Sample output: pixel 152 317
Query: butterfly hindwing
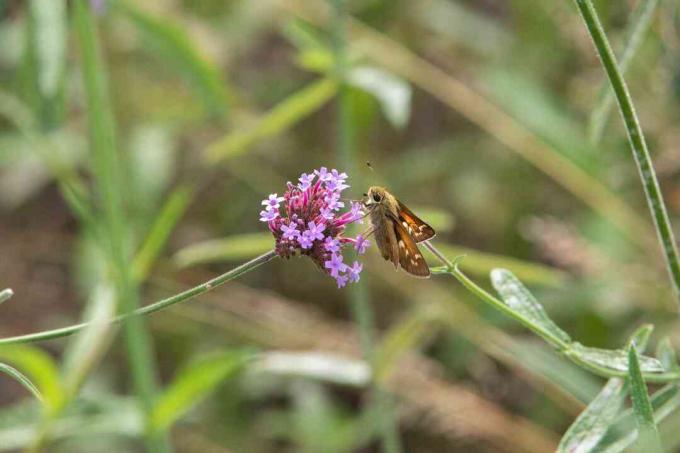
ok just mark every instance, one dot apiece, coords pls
pixel 410 258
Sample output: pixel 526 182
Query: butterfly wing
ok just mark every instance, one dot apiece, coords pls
pixel 418 230
pixel 410 258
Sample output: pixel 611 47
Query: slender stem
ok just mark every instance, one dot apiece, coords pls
pixel 560 345
pixel 637 141
pixel 359 295
pixel 156 306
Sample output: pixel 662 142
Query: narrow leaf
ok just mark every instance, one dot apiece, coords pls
pixel 50 43
pixel 22 379
pixel 288 112
pixel 592 424
pixel 170 42
pixel 322 366
pixel 392 92
pixel 518 298
pixel 640 338
pixel 614 359
pixel 40 370
pixel 666 354
pixel 230 248
pixel 170 213
pixel 195 383
pixel 624 432
pixel 648 439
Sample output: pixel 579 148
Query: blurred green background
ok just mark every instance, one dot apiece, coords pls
pixel 490 119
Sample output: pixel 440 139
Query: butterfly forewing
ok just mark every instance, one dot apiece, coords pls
pixel 419 230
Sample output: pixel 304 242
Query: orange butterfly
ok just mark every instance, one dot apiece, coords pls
pixel 397 231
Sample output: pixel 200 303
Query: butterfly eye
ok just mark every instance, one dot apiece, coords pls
pixel 376 197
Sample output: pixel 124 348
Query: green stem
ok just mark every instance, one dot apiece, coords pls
pixel 359 295
pixel 637 142
pixel 560 345
pixel 156 306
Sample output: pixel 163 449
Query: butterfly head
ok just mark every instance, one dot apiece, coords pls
pixel 375 195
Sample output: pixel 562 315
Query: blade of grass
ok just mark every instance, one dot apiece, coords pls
pixel 648 437
pixel 639 23
pixel 22 379
pixel 637 142
pixel 107 174
pixel 170 42
pixel 288 112
pixel 170 213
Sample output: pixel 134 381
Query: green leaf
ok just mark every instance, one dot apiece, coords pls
pixel 613 359
pixel 284 115
pixel 666 354
pixel 50 44
pixel 392 92
pixel 171 212
pixel 624 432
pixel 592 424
pixel 519 299
pixel 170 42
pixel 195 383
pixel 323 366
pixel 41 372
pixel 231 248
pixel 648 438
pixel 640 338
pixel 22 379
pixel 6 294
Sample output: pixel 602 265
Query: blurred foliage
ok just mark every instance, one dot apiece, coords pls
pixel 490 119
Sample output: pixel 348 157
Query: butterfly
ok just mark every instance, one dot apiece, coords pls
pixel 397 230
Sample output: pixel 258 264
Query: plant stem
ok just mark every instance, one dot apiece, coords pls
pixel 156 306
pixel 359 295
pixel 560 345
pixel 637 141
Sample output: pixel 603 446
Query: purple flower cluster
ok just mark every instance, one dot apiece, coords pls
pixel 310 223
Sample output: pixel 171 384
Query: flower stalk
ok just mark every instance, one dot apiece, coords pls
pixel 154 307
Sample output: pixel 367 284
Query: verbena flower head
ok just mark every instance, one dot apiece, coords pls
pixel 307 220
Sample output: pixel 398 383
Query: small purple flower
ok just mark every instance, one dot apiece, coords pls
pixel 327 213
pixel 306 181
pixel 332 244
pixel 305 240
pixel 361 244
pixel 273 202
pixel 334 202
pixel 315 231
pixel 353 271
pixel 335 265
pixel 323 174
pixel 268 216
pixel 290 232
pixel 341 280
pixel 357 210
pixel 308 220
